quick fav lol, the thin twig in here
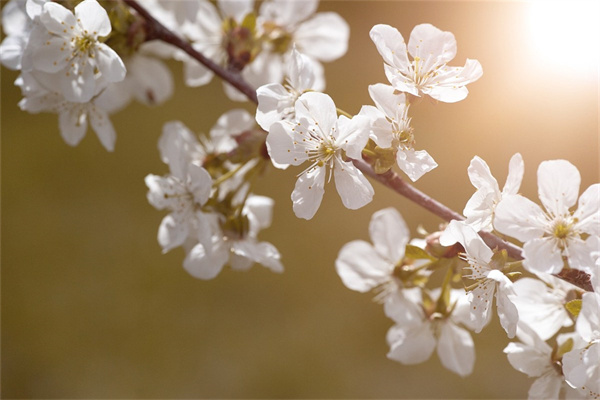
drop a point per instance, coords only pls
(157, 31)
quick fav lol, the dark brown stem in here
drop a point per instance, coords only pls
(157, 31)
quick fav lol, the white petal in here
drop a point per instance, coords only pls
(274, 104)
(73, 125)
(354, 189)
(431, 45)
(93, 17)
(48, 56)
(199, 183)
(411, 346)
(196, 74)
(480, 300)
(516, 168)
(558, 185)
(539, 307)
(475, 247)
(206, 265)
(479, 210)
(507, 311)
(109, 63)
(280, 145)
(542, 255)
(52, 16)
(520, 218)
(153, 80)
(546, 387)
(527, 359)
(389, 234)
(236, 8)
(455, 349)
(391, 46)
(286, 12)
(415, 163)
(588, 321)
(104, 129)
(481, 176)
(404, 307)
(308, 192)
(262, 253)
(588, 210)
(300, 71)
(172, 232)
(260, 209)
(386, 99)
(360, 267)
(582, 254)
(323, 37)
(353, 135)
(317, 108)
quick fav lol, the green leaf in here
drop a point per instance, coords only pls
(417, 253)
(574, 306)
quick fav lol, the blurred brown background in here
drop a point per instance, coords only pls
(92, 309)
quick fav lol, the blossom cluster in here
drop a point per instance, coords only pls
(88, 60)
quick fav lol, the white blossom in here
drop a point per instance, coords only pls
(537, 359)
(236, 243)
(390, 127)
(488, 277)
(541, 304)
(581, 365)
(276, 101)
(73, 117)
(431, 49)
(420, 330)
(322, 139)
(556, 232)
(480, 207)
(183, 191)
(67, 46)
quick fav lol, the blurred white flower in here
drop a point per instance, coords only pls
(73, 117)
(538, 360)
(541, 304)
(549, 235)
(581, 365)
(67, 46)
(428, 73)
(420, 329)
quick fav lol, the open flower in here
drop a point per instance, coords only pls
(322, 139)
(276, 101)
(556, 232)
(428, 73)
(480, 207)
(363, 266)
(581, 365)
(489, 279)
(421, 327)
(69, 47)
(390, 128)
(537, 359)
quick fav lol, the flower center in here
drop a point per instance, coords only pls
(84, 44)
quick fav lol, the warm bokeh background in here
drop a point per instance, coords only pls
(92, 309)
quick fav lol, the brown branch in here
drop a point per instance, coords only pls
(156, 31)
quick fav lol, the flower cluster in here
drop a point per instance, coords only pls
(91, 59)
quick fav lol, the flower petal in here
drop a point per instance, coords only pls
(323, 37)
(360, 267)
(415, 163)
(520, 218)
(542, 255)
(308, 192)
(319, 109)
(93, 18)
(411, 346)
(558, 186)
(455, 349)
(588, 211)
(389, 234)
(354, 189)
(516, 169)
(390, 44)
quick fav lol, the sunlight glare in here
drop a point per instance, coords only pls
(567, 32)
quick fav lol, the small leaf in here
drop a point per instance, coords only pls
(566, 347)
(574, 307)
(417, 253)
